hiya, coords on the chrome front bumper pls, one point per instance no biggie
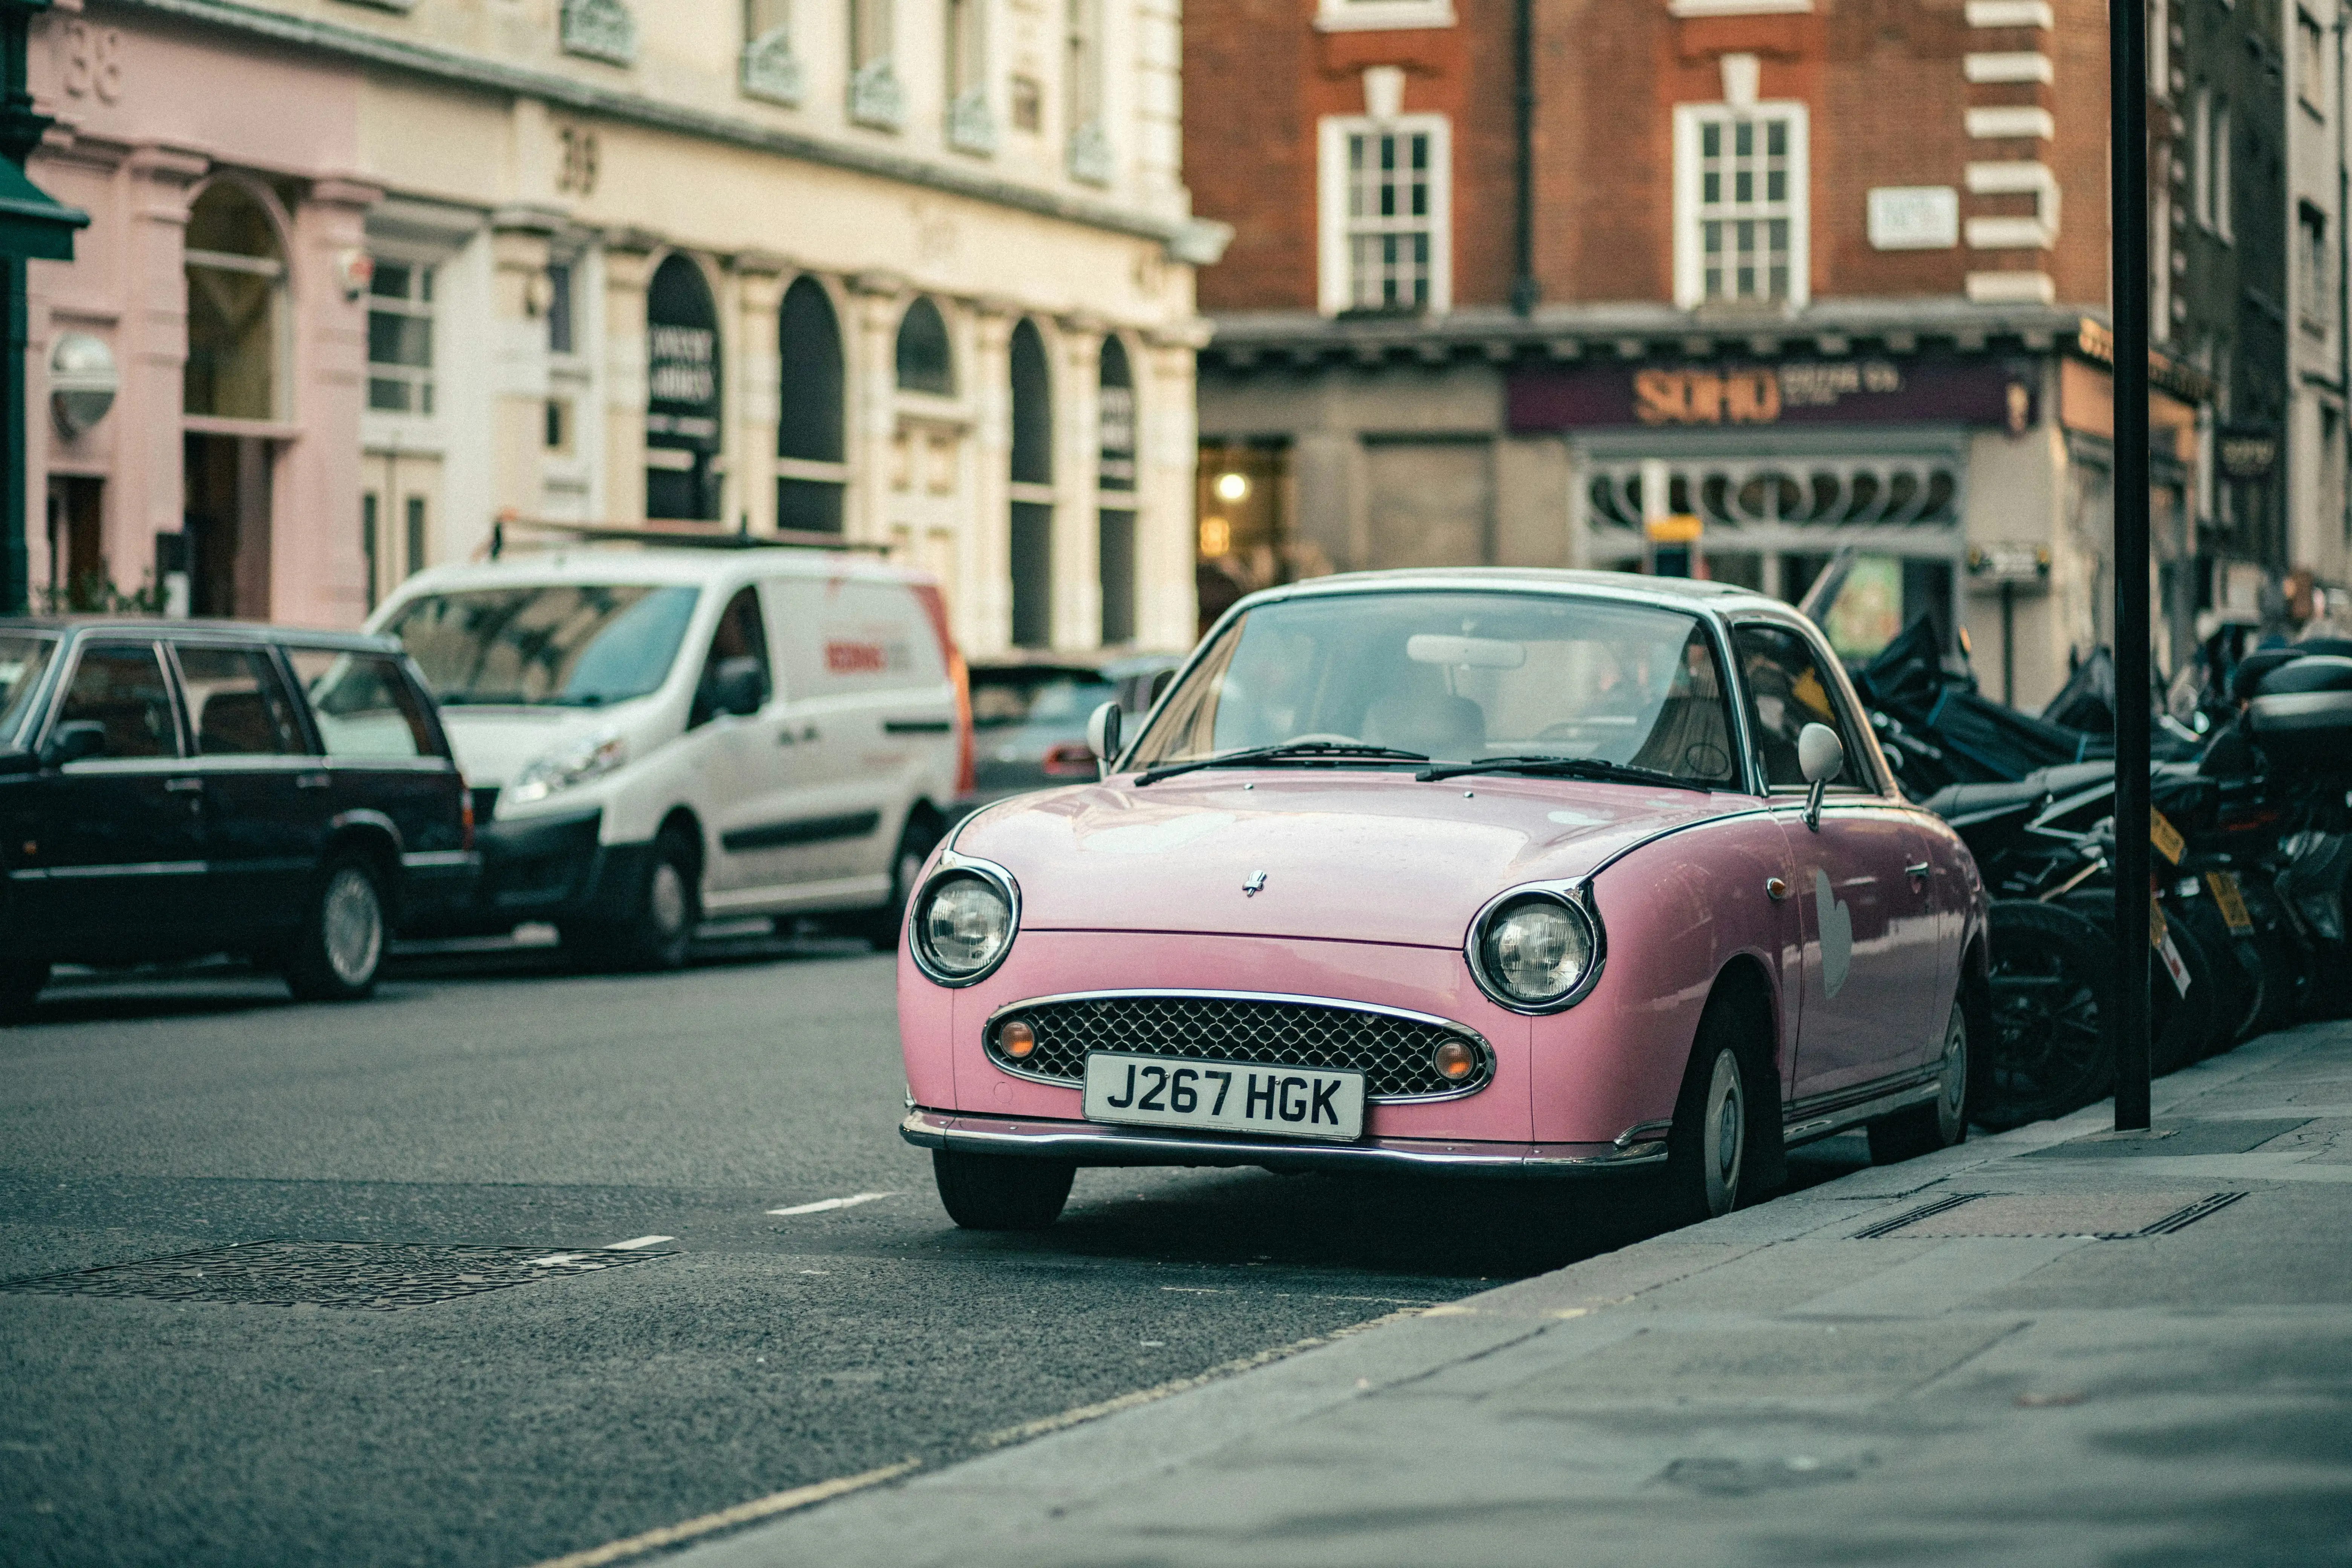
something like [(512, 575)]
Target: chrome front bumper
[(1093, 1144)]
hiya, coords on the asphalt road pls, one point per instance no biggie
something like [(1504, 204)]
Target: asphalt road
[(491, 1100)]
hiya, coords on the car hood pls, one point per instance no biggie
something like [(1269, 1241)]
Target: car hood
[(1367, 856), (493, 744)]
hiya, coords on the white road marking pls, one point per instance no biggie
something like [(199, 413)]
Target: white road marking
[(552, 1258), (822, 1204), (640, 1241), (728, 1518)]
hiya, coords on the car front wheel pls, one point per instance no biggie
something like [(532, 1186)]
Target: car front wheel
[(664, 909), (1001, 1191), (341, 948), (1712, 1163)]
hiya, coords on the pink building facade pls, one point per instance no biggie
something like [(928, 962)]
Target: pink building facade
[(223, 277)]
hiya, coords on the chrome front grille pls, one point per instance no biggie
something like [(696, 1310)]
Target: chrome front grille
[(1393, 1050)]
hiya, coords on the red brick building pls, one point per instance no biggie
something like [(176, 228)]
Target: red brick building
[(1818, 272)]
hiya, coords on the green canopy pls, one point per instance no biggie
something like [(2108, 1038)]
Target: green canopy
[(34, 225)]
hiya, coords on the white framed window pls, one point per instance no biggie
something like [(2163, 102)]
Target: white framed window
[(1740, 206), (2222, 158), (400, 337), (1387, 227), (1382, 16), (2314, 290), (2200, 157)]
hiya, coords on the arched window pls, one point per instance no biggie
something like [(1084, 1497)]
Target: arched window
[(236, 308), (809, 424), (926, 358), (1033, 499), (682, 401), (1115, 481)]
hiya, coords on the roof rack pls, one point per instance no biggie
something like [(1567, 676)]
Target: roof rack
[(689, 537)]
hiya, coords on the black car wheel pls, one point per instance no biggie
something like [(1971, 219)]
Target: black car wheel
[(1001, 1191), (340, 950), (1713, 1151), (664, 909), (19, 985)]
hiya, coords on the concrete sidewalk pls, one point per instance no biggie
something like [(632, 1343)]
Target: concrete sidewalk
[(2060, 1345)]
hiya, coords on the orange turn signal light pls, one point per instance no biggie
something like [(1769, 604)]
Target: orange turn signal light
[(1017, 1040), (1454, 1060)]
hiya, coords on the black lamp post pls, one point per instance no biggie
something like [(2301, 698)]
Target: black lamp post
[(33, 227), (2127, 193)]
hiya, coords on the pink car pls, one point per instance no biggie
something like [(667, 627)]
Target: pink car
[(1518, 873)]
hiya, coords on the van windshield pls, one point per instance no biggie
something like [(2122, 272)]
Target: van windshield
[(570, 645)]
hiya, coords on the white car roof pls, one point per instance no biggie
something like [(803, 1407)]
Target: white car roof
[(623, 563), (1678, 592)]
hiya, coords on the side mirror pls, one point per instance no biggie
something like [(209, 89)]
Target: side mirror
[(1820, 755), (738, 686), (1102, 734), (72, 743)]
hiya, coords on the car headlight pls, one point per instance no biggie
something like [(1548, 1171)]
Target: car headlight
[(964, 921), (567, 766), (1531, 951)]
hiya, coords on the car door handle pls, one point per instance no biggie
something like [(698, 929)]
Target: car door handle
[(1919, 871), (184, 787), (313, 781)]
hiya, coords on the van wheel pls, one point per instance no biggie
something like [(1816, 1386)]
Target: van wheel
[(1002, 1192), (19, 983), (882, 927), (664, 910), (340, 949), (1923, 1129)]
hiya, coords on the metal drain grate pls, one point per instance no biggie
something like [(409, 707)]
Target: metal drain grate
[(2121, 1217), (369, 1275)]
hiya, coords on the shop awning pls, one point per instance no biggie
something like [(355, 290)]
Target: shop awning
[(35, 226)]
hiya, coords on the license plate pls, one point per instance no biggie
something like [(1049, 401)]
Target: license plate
[(1224, 1097)]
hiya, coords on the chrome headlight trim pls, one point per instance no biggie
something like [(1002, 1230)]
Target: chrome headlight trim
[(1576, 896), (950, 867)]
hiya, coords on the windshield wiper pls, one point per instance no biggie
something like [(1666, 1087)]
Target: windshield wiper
[(1562, 767), (1289, 751)]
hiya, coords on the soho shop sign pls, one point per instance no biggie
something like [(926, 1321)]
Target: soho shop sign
[(1794, 392), (682, 379)]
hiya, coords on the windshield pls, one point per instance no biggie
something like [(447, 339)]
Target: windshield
[(1457, 676), (574, 645), (1002, 697), (22, 660)]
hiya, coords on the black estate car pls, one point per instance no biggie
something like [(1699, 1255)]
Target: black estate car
[(172, 789)]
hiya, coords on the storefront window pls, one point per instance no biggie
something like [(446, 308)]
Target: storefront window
[(682, 409), (809, 446), (1032, 501), (236, 308), (1115, 479), (926, 358)]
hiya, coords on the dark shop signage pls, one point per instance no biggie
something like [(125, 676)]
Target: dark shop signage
[(2247, 453), (1790, 392), (681, 359)]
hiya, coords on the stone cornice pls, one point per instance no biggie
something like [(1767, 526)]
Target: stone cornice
[(365, 46)]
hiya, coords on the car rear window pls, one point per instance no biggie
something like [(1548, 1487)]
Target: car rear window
[(22, 660), (366, 707), (1004, 698)]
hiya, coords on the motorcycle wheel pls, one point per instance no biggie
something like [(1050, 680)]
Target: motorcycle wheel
[(2051, 1007)]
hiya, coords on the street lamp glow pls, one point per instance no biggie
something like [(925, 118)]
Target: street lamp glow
[(1233, 487)]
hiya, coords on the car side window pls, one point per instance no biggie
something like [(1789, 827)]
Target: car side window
[(740, 635), (366, 707), (1788, 690), (123, 687), (237, 702)]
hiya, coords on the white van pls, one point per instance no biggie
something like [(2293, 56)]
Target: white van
[(659, 736)]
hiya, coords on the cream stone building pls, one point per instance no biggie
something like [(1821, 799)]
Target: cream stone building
[(375, 274)]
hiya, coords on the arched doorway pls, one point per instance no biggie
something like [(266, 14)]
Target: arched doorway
[(682, 399), (809, 424), (1032, 491), (235, 376)]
